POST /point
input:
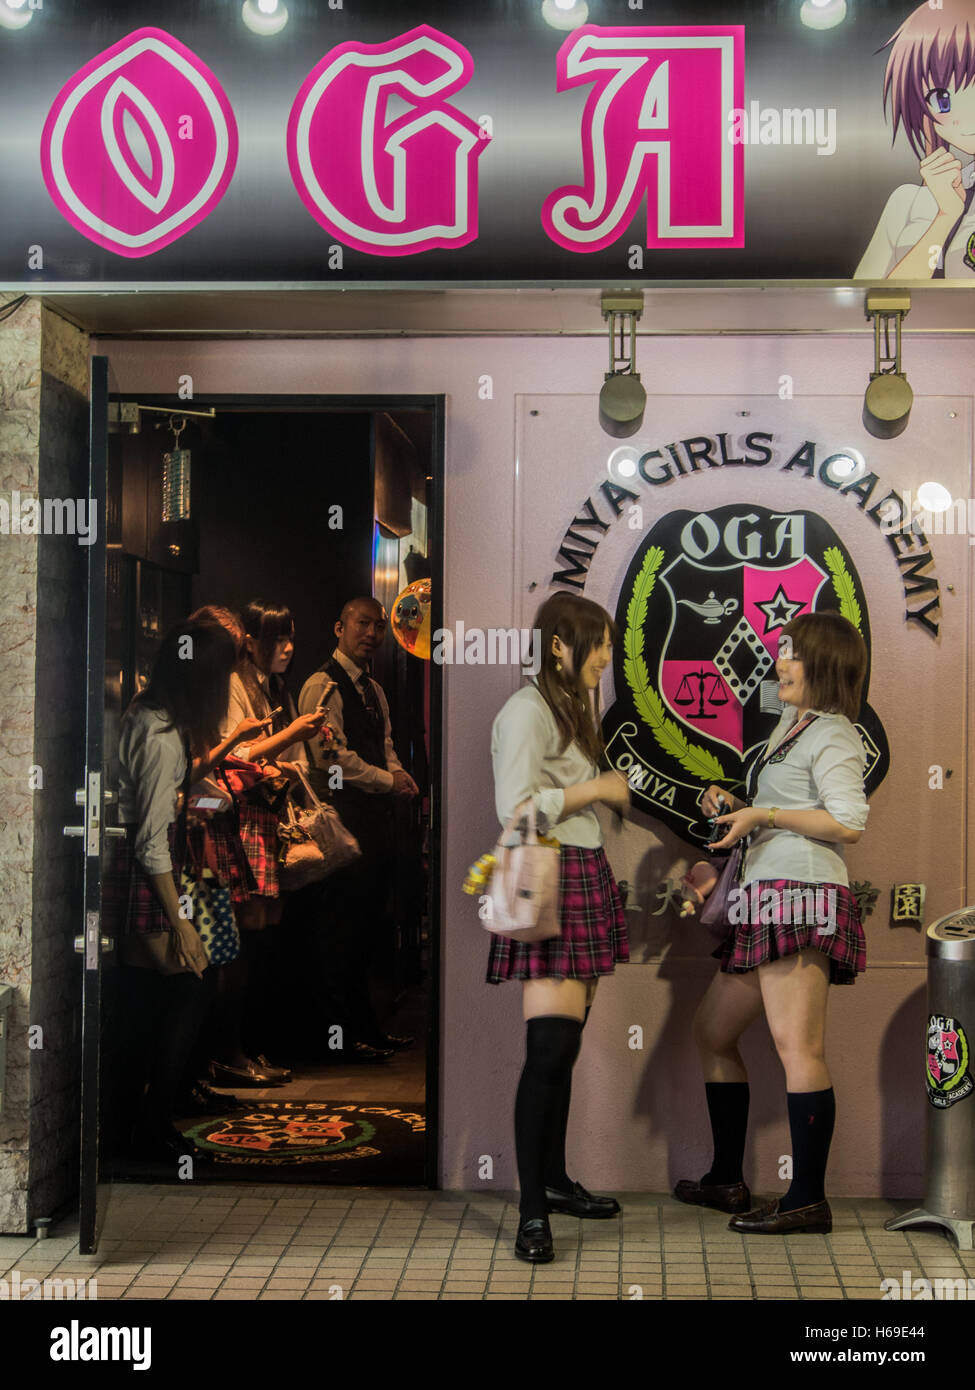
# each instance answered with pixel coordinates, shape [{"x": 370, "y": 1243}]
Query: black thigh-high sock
[
  {"x": 811, "y": 1118},
  {"x": 728, "y": 1111},
  {"x": 552, "y": 1043},
  {"x": 555, "y": 1171}
]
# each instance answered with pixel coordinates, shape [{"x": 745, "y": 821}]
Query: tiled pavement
[{"x": 162, "y": 1242}]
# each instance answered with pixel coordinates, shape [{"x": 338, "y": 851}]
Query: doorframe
[{"x": 246, "y": 402}]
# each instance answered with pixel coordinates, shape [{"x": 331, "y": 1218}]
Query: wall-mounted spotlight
[
  {"x": 565, "y": 14},
  {"x": 14, "y": 14},
  {"x": 622, "y": 399},
  {"x": 888, "y": 399},
  {"x": 264, "y": 17},
  {"x": 822, "y": 14}
]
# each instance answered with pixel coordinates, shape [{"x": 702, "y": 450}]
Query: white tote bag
[{"x": 523, "y": 890}]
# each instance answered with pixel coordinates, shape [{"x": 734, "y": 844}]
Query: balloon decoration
[{"x": 411, "y": 618}]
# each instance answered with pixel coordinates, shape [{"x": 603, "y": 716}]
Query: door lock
[{"x": 107, "y": 944}]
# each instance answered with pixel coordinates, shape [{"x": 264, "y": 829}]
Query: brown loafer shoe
[
  {"x": 767, "y": 1220},
  {"x": 732, "y": 1196}
]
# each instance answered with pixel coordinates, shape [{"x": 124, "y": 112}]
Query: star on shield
[{"x": 779, "y": 610}]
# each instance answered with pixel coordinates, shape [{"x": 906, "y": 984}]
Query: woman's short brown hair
[{"x": 834, "y": 659}]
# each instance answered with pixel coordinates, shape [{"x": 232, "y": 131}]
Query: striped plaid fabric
[
  {"x": 129, "y": 901},
  {"x": 259, "y": 836},
  {"x": 784, "y": 917},
  {"x": 593, "y": 937}
]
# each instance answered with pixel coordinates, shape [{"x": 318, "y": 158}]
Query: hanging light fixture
[
  {"x": 822, "y": 14},
  {"x": 565, "y": 14},
  {"x": 176, "y": 477},
  {"x": 264, "y": 17},
  {"x": 888, "y": 399},
  {"x": 14, "y": 14},
  {"x": 622, "y": 399}
]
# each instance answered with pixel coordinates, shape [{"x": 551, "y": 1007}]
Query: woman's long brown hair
[{"x": 581, "y": 625}]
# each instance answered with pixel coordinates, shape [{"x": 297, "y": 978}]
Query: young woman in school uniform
[
  {"x": 807, "y": 803},
  {"x": 257, "y": 691},
  {"x": 174, "y": 719},
  {"x": 546, "y": 746}
]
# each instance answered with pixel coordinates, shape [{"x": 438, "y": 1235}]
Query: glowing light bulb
[
  {"x": 933, "y": 497},
  {"x": 267, "y": 6},
  {"x": 822, "y": 14}
]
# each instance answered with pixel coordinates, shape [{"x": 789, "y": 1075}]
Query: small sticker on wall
[{"x": 947, "y": 1076}]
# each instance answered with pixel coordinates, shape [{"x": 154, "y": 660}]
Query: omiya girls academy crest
[{"x": 700, "y": 612}]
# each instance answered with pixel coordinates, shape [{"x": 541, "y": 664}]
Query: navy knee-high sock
[
  {"x": 555, "y": 1170},
  {"x": 812, "y": 1115},
  {"x": 728, "y": 1112},
  {"x": 552, "y": 1043}
]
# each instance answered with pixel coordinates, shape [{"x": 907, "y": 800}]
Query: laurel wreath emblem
[
  {"x": 649, "y": 705},
  {"x": 843, "y": 586}
]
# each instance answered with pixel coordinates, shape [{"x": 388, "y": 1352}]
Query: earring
[{"x": 558, "y": 666}]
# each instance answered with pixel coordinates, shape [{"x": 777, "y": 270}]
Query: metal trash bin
[{"x": 949, "y": 1196}]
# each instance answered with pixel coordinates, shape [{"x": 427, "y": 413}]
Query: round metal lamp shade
[
  {"x": 622, "y": 402},
  {"x": 887, "y": 406}
]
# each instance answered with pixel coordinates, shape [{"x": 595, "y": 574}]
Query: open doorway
[{"x": 304, "y": 503}]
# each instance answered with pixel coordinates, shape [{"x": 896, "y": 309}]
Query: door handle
[
  {"x": 79, "y": 944},
  {"x": 117, "y": 830},
  {"x": 73, "y": 830}
]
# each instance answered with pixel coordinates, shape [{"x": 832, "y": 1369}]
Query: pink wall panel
[{"x": 638, "y": 1118}]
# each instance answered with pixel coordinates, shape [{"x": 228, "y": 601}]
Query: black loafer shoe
[
  {"x": 361, "y": 1052},
  {"x": 767, "y": 1220},
  {"x": 534, "y": 1242},
  {"x": 731, "y": 1197},
  {"x": 236, "y": 1077},
  {"x": 282, "y": 1075},
  {"x": 170, "y": 1147},
  {"x": 389, "y": 1042},
  {"x": 578, "y": 1202},
  {"x": 201, "y": 1100}
]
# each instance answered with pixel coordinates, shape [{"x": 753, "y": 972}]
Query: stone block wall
[{"x": 43, "y": 453}]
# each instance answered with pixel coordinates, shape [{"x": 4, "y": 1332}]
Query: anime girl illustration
[{"x": 927, "y": 231}]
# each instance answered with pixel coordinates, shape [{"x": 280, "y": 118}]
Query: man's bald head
[{"x": 361, "y": 629}]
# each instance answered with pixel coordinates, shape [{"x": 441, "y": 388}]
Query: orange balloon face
[{"x": 411, "y": 618}]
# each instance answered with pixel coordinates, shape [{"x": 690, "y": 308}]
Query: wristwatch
[{"x": 771, "y": 817}]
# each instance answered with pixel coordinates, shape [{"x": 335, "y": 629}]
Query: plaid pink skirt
[
  {"x": 129, "y": 901},
  {"x": 593, "y": 937},
  {"x": 784, "y": 916},
  {"x": 259, "y": 837}
]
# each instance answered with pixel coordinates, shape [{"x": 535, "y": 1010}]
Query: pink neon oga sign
[
  {"x": 396, "y": 187},
  {"x": 139, "y": 145},
  {"x": 655, "y": 125}
]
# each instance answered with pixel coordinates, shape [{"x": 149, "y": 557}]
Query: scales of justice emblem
[{"x": 700, "y": 611}]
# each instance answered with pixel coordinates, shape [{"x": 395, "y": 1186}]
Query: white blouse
[
  {"x": 822, "y": 770},
  {"x": 909, "y": 213},
  {"x": 240, "y": 707},
  {"x": 525, "y": 742},
  {"x": 152, "y": 768}
]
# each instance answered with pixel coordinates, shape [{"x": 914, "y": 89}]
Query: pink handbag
[{"x": 522, "y": 894}]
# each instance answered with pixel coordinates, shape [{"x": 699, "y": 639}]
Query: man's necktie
[{"x": 365, "y": 688}]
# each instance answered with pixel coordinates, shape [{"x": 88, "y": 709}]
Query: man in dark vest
[{"x": 371, "y": 775}]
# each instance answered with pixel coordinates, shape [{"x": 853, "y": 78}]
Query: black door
[{"x": 97, "y": 797}]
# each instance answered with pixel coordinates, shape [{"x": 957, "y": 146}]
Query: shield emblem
[
  {"x": 701, "y": 608},
  {"x": 717, "y": 663}
]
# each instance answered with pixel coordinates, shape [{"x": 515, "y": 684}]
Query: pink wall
[{"x": 638, "y": 1118}]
